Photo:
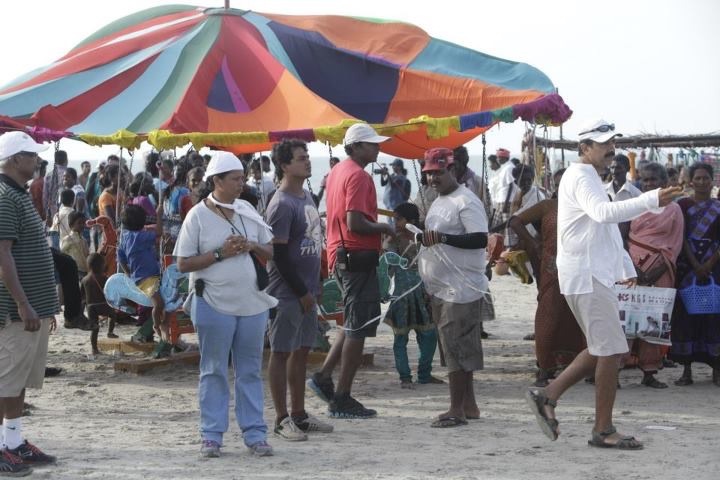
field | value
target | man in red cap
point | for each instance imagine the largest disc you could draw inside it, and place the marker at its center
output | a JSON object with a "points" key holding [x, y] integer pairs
{"points": [[453, 270]]}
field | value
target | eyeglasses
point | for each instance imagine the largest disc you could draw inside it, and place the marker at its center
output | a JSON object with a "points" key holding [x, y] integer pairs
{"points": [[602, 129]]}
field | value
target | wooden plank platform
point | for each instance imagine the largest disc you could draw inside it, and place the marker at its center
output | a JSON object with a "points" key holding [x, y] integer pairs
{"points": [[143, 365], [123, 346], [316, 358]]}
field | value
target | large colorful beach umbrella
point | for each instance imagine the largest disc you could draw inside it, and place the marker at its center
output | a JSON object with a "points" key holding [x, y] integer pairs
{"points": [[213, 76]]}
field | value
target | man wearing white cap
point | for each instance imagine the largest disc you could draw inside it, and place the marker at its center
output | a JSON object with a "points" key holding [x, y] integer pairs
{"points": [[28, 300], [590, 259], [353, 247]]}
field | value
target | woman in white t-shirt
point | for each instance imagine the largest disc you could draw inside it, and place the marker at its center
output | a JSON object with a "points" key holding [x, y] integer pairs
{"points": [[229, 311]]}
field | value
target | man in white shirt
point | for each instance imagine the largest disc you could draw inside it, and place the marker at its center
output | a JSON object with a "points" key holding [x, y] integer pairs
{"points": [[504, 181], [620, 189], [590, 259], [453, 271]]}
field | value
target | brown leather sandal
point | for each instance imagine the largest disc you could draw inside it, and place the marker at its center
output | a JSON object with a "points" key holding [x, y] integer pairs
{"points": [[537, 400], [625, 442]]}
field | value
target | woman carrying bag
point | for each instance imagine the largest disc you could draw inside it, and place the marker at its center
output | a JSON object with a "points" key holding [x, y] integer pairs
{"points": [[696, 338], [220, 243]]}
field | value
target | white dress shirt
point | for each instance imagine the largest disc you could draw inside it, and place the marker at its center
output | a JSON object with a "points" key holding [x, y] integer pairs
{"points": [[505, 179], [588, 240], [626, 192]]}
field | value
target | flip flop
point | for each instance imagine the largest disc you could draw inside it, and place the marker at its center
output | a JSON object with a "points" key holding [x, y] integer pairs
{"points": [[448, 422], [537, 400]]}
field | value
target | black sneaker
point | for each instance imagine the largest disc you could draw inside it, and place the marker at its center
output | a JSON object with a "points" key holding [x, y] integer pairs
{"points": [[13, 466], [345, 406], [52, 371], [324, 388], [29, 453]]}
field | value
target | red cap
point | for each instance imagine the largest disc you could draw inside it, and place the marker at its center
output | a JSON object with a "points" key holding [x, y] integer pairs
{"points": [[437, 158], [502, 153]]}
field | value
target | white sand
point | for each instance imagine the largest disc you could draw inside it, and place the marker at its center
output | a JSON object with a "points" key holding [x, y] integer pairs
{"points": [[107, 425]]}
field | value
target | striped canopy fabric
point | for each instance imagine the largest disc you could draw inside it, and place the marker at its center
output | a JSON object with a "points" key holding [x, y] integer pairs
{"points": [[243, 79]]}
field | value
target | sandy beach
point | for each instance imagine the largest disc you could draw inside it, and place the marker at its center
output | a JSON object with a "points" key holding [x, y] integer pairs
{"points": [[107, 425]]}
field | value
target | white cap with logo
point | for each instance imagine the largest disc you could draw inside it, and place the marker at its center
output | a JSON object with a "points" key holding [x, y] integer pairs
{"points": [[362, 132], [599, 131], [12, 143]]}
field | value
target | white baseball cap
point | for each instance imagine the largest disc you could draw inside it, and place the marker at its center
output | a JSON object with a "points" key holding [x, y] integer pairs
{"points": [[16, 142], [222, 162], [362, 132], [599, 131]]}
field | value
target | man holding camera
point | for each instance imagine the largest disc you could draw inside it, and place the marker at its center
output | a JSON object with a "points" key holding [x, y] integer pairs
{"points": [[353, 249], [397, 186]]}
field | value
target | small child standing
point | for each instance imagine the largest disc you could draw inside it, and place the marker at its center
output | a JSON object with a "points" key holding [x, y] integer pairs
{"points": [[92, 287], [409, 312], [60, 225], [74, 244], [138, 257]]}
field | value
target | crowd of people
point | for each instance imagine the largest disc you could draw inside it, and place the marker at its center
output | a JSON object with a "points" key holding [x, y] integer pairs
{"points": [[254, 246]]}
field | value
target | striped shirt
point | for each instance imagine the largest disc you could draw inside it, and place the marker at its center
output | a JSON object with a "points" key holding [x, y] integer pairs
{"points": [[33, 259]]}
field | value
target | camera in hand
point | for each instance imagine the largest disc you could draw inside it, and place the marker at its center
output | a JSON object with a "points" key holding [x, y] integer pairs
{"points": [[381, 171]]}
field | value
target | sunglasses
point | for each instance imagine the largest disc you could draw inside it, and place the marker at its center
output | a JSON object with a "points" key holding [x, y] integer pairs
{"points": [[601, 129]]}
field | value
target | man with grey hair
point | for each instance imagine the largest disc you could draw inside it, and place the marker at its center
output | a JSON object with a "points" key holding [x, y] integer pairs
{"points": [[590, 260], [28, 301]]}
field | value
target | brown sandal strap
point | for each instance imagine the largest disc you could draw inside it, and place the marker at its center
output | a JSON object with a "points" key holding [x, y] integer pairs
{"points": [[607, 432]]}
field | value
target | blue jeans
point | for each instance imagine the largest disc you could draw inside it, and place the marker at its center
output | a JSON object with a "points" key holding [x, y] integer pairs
{"points": [[427, 342], [218, 335]]}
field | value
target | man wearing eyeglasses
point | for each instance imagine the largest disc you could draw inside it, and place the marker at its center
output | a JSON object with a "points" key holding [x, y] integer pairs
{"points": [[28, 301], [590, 259]]}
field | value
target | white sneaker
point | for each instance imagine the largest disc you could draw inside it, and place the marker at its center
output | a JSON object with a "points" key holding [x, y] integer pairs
{"points": [[313, 424], [289, 431]]}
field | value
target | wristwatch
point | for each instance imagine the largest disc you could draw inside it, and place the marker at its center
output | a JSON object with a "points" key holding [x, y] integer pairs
{"points": [[217, 253]]}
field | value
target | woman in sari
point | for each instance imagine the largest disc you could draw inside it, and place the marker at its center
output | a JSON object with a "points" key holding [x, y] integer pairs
{"points": [[696, 338], [558, 338], [655, 242]]}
